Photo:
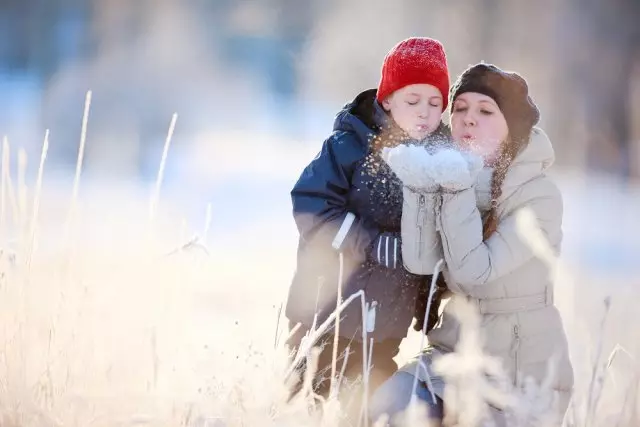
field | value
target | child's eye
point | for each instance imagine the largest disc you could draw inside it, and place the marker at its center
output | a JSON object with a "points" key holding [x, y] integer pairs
{"points": [[459, 109], [435, 104], [412, 102], [486, 112]]}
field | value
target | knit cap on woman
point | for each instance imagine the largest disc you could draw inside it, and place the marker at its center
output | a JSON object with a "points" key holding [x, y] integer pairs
{"points": [[509, 90], [416, 60]]}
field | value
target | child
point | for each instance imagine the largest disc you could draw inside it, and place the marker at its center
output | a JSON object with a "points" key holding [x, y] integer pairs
{"points": [[347, 201]]}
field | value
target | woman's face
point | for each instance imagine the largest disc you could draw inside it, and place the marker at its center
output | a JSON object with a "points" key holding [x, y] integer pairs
{"points": [[478, 125], [416, 108]]}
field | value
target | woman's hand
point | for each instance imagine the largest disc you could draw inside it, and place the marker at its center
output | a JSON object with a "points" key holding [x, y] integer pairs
{"points": [[458, 170]]}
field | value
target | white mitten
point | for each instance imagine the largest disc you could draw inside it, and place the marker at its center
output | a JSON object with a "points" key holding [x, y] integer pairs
{"points": [[411, 164], [454, 170], [475, 164]]}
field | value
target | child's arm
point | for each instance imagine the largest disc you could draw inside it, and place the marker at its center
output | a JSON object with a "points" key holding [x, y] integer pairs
{"points": [[321, 194]]}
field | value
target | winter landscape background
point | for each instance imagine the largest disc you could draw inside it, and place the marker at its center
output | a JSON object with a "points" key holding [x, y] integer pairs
{"points": [[105, 322]]}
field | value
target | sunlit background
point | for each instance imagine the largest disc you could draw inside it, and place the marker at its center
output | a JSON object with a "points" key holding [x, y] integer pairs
{"points": [[256, 84]]}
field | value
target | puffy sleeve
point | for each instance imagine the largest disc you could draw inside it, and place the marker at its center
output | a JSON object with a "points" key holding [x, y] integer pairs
{"points": [[320, 198], [474, 262]]}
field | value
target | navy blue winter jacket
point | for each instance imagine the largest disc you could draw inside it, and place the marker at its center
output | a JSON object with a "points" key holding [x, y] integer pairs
{"points": [[349, 176]]}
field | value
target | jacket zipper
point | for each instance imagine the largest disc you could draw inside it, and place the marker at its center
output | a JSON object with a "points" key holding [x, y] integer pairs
{"points": [[516, 355], [438, 206], [420, 222], [438, 209]]}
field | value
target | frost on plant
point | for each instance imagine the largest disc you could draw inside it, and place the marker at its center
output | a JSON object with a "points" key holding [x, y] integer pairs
{"points": [[480, 393]]}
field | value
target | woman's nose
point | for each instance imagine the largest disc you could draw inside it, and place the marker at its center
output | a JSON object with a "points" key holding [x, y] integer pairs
{"points": [[469, 120]]}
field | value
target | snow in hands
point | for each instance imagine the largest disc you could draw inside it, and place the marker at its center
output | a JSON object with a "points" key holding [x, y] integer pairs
{"points": [[420, 170]]}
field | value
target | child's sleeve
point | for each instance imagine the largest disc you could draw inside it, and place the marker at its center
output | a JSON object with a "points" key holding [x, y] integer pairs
{"points": [[320, 199]]}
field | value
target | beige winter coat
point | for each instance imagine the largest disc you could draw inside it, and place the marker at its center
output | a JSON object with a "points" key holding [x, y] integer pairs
{"points": [[510, 286]]}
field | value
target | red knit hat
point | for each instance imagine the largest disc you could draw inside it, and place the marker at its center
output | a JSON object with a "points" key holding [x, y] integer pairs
{"points": [[413, 61]]}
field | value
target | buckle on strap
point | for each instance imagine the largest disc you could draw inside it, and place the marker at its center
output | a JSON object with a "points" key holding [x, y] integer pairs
{"points": [[516, 304]]}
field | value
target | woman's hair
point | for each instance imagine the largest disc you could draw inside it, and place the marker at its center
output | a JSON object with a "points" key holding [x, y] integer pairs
{"points": [[509, 150]]}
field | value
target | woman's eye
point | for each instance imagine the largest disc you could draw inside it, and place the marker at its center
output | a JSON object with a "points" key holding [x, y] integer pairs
{"points": [[459, 109], [435, 104], [486, 112], [412, 102]]}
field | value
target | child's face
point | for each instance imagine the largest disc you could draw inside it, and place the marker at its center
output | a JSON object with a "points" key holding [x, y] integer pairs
{"points": [[417, 109], [478, 125]]}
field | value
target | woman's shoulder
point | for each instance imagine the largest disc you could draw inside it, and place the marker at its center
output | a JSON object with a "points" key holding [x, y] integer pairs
{"points": [[542, 186], [542, 194]]}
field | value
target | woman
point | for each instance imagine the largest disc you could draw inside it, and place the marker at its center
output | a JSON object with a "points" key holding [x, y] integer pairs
{"points": [[487, 261]]}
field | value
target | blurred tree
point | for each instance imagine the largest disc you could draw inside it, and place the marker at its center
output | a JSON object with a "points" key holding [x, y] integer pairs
{"points": [[578, 55], [611, 47], [14, 35], [56, 34]]}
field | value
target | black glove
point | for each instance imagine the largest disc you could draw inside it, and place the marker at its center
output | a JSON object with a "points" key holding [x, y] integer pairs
{"points": [[421, 303], [386, 250]]}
